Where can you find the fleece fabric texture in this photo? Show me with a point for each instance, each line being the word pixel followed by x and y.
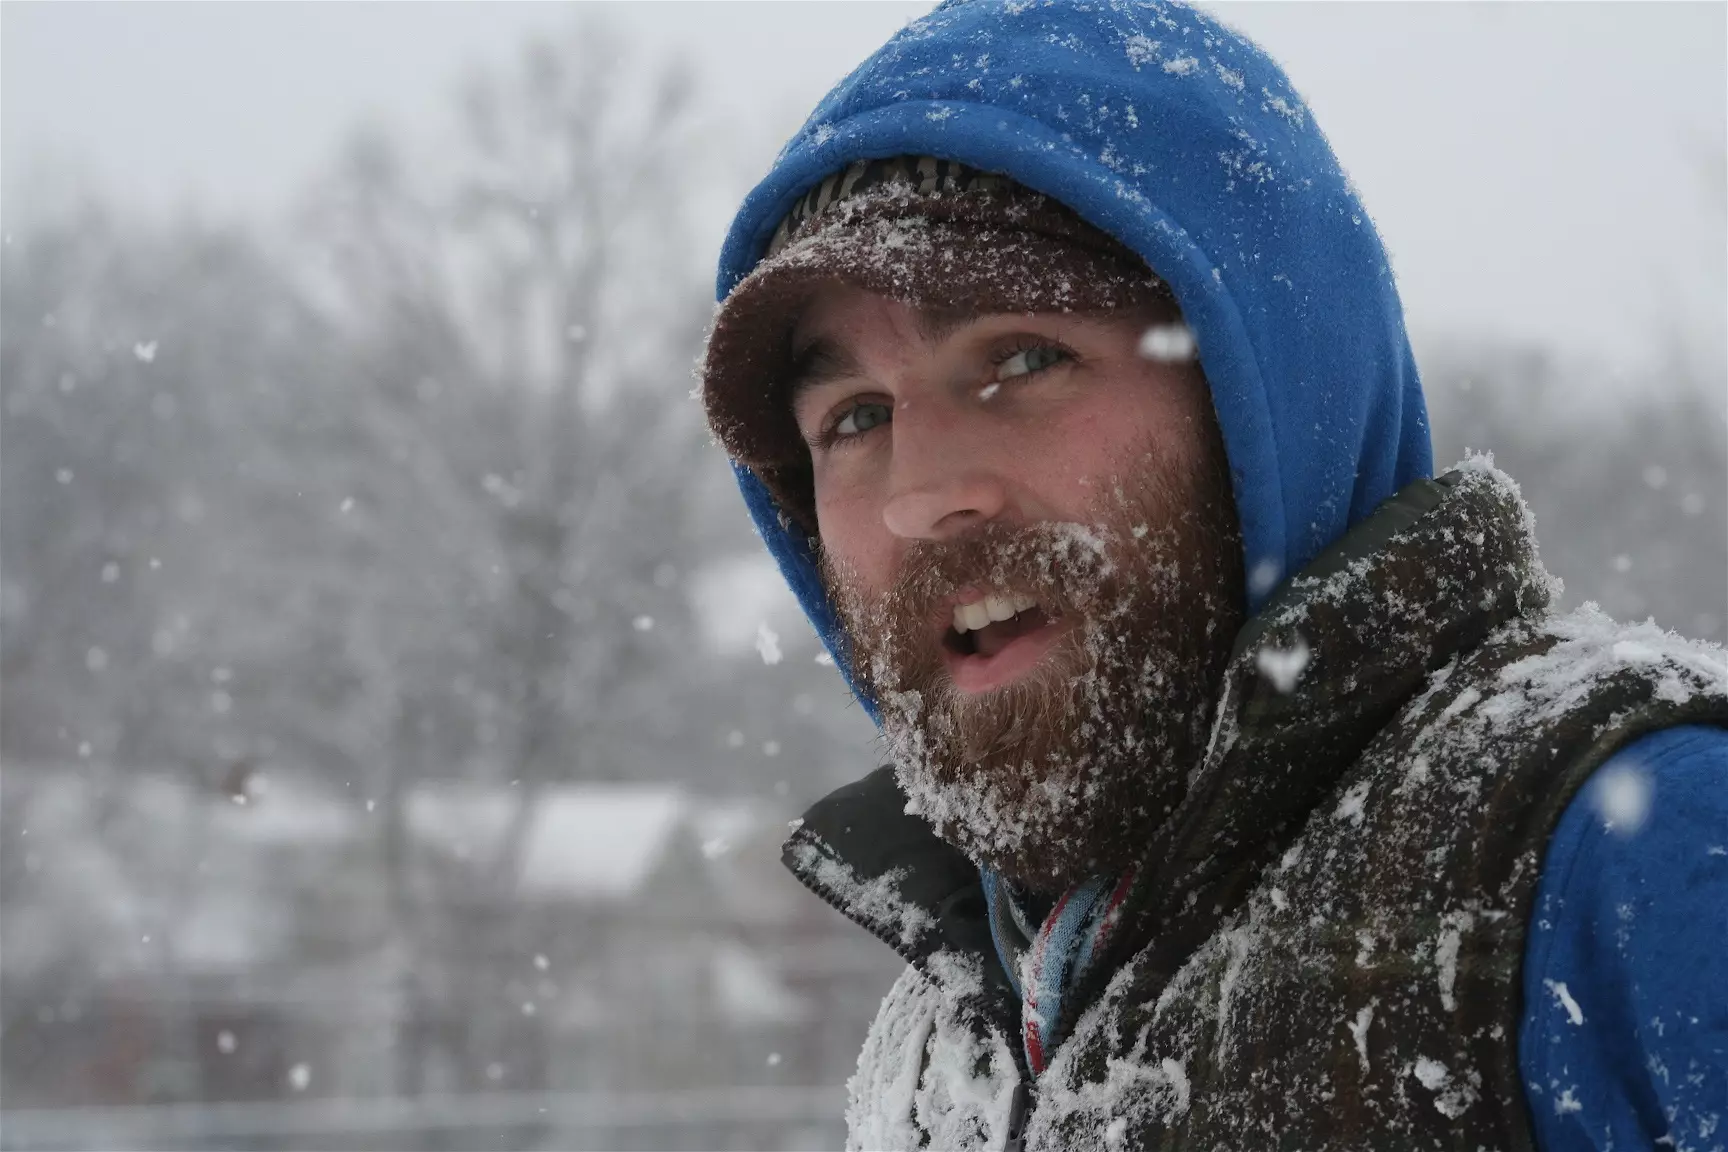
pixel 1624 1042
pixel 1181 138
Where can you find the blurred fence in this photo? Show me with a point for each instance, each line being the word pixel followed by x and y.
pixel 738 1117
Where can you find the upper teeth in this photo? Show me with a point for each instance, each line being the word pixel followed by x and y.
pixel 968 617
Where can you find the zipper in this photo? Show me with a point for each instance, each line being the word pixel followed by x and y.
pixel 833 901
pixel 1018 1110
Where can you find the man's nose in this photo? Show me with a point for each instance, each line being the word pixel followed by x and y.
pixel 943 483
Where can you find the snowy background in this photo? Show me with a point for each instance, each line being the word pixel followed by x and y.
pixel 399 720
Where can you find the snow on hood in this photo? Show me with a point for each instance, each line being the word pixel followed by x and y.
pixel 1181 138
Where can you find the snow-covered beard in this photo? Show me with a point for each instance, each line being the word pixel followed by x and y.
pixel 1067 771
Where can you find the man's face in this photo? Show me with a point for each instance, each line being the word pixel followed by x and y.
pixel 1028 528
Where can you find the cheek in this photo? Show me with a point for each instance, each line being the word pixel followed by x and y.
pixel 849 522
pixel 1144 415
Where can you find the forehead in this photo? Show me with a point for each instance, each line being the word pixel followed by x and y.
pixel 838 313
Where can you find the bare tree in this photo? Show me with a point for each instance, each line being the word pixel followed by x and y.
pixel 525 322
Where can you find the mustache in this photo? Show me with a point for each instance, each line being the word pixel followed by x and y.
pixel 1062 565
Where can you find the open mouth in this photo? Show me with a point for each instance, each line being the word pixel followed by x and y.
pixel 997 638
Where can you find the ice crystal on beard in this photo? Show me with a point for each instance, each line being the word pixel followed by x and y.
pixel 939 739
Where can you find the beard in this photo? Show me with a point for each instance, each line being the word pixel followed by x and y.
pixel 1067 771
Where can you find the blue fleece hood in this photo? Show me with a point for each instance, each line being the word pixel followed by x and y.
pixel 1185 141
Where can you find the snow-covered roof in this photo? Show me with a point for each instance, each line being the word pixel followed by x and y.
pixel 600 841
pixel 586 841
pixel 224 873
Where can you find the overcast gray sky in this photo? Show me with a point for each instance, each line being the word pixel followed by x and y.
pixel 1552 171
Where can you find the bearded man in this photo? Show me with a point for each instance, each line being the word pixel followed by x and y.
pixel 1244 791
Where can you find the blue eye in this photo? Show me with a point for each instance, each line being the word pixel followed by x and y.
pixel 861 418
pixel 1029 360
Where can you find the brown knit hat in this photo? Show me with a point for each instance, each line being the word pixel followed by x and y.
pixel 930 233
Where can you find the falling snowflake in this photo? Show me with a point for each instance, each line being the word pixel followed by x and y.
pixel 1283 666
pixel 767 644
pixel 1622 794
pixel 145 352
pixel 299 1077
pixel 1265 576
pixel 1167 343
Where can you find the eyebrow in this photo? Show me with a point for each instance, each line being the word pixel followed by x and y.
pixel 937 324
pixel 823 360
pixel 816 364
